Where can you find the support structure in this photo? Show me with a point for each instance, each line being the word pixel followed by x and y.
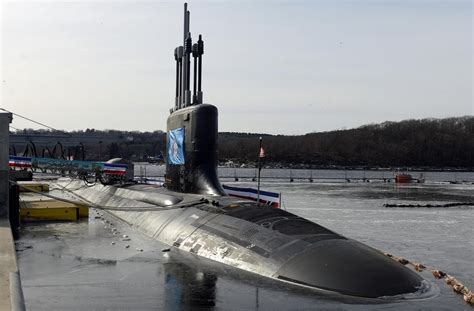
pixel 5 120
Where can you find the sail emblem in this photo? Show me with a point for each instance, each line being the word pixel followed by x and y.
pixel 176 146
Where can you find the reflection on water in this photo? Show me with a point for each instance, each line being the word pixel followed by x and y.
pixel 186 286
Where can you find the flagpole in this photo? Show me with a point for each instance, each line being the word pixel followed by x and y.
pixel 258 176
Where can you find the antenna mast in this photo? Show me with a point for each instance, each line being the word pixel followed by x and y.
pixel 182 56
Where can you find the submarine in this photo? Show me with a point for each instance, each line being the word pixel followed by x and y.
pixel 192 213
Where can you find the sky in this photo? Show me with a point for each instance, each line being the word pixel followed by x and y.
pixel 278 67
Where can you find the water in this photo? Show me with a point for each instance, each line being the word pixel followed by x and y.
pixel 74 266
pixel 145 169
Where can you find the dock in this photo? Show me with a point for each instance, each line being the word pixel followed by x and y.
pixel 36 207
pixel 291 179
pixel 33 186
pixel 11 295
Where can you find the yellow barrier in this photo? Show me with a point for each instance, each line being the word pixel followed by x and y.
pixel 38 209
pixel 33 186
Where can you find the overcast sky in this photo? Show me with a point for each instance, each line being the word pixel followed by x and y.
pixel 270 67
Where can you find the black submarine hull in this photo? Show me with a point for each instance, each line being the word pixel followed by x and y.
pixel 264 240
pixel 192 213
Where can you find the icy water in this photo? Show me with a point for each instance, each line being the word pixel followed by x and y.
pixel 84 266
pixel 247 174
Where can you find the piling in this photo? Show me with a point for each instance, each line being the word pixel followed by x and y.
pixel 14 209
pixel 5 120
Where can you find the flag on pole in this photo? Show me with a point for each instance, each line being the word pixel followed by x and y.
pixel 260 156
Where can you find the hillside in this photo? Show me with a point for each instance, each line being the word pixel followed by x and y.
pixel 423 143
pixel 434 143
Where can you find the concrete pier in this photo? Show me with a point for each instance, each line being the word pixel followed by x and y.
pixel 11 294
pixel 5 120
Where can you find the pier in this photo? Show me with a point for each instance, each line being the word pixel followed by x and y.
pixel 312 179
pixel 283 175
pixel 11 293
pixel 294 178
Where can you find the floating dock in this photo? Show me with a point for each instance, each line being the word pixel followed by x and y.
pixel 33 186
pixel 35 207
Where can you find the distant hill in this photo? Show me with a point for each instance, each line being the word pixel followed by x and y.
pixel 433 143
pixel 422 143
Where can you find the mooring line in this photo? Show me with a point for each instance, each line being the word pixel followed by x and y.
pixel 450 280
pixel 87 203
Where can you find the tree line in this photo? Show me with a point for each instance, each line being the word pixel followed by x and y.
pixel 411 143
pixel 433 143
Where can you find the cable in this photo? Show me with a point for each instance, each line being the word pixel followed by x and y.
pixel 84 201
pixel 87 183
pixel 31 120
pixel 175 206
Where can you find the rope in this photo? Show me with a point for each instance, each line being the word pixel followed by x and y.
pixel 90 204
pixel 175 206
pixel 31 120
pixel 450 280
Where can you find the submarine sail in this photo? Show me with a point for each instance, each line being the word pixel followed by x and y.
pixel 193 214
pixel 192 126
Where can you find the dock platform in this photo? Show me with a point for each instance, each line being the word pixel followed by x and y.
pixel 31 186
pixel 35 207
pixel 11 295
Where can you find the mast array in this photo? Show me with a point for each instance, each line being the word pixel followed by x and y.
pixel 182 56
